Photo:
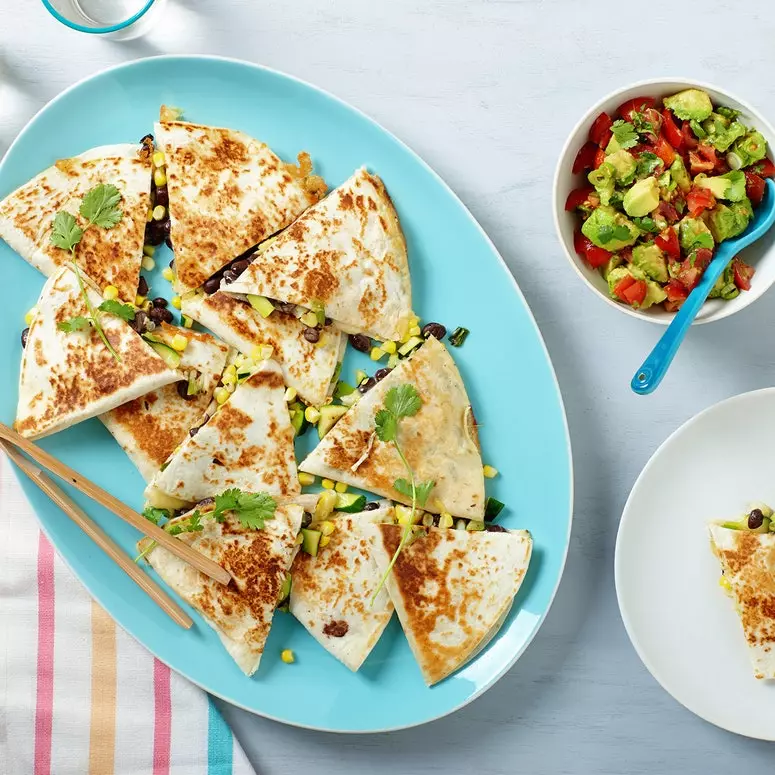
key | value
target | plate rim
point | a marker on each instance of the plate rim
(488, 241)
(628, 624)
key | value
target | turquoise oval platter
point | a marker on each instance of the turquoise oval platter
(458, 279)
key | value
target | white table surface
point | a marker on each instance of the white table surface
(486, 92)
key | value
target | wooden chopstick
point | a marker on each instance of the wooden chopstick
(156, 593)
(178, 548)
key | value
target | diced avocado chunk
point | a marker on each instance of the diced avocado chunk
(642, 198)
(603, 179)
(651, 260)
(610, 229)
(329, 414)
(624, 165)
(298, 421)
(736, 192)
(680, 175)
(655, 294)
(168, 355)
(285, 589)
(717, 290)
(615, 276)
(310, 540)
(748, 150)
(693, 233)
(716, 185)
(261, 304)
(611, 264)
(720, 132)
(350, 502)
(613, 146)
(727, 221)
(690, 104)
(730, 186)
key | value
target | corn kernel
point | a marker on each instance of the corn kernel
(309, 319)
(414, 331)
(221, 395)
(327, 527)
(231, 386)
(187, 321)
(149, 215)
(158, 159)
(460, 524)
(287, 656)
(267, 351)
(392, 361)
(255, 353)
(414, 321)
(723, 582)
(149, 250)
(147, 306)
(311, 415)
(474, 525)
(159, 212)
(110, 292)
(324, 541)
(148, 264)
(325, 505)
(159, 177)
(389, 347)
(290, 395)
(340, 487)
(427, 520)
(168, 274)
(139, 300)
(179, 342)
(489, 472)
(376, 353)
(328, 484)
(305, 480)
(445, 519)
(404, 515)
(175, 301)
(30, 316)
(299, 539)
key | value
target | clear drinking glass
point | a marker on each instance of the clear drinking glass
(117, 19)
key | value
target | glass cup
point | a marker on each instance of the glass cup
(116, 19)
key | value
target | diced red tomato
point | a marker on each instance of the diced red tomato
(743, 274)
(754, 187)
(664, 150)
(654, 117)
(698, 164)
(577, 197)
(673, 306)
(699, 199)
(675, 291)
(668, 241)
(599, 157)
(765, 168)
(668, 212)
(631, 290)
(594, 255)
(672, 131)
(635, 105)
(600, 131)
(585, 158)
(690, 141)
(693, 268)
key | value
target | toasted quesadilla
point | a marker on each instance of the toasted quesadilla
(440, 441)
(258, 561)
(227, 193)
(67, 377)
(346, 255)
(331, 591)
(308, 367)
(452, 589)
(748, 563)
(150, 427)
(107, 256)
(246, 443)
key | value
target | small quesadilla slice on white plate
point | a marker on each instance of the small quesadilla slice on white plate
(258, 561)
(748, 563)
(440, 441)
(452, 589)
(107, 256)
(68, 374)
(331, 592)
(227, 192)
(345, 256)
(246, 443)
(309, 361)
(150, 427)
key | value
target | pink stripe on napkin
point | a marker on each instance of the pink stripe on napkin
(44, 708)
(162, 722)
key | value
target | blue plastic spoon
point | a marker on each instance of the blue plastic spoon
(654, 368)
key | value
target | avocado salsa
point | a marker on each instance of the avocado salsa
(668, 181)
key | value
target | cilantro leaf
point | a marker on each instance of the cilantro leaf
(226, 501)
(67, 233)
(642, 124)
(115, 307)
(78, 323)
(194, 522)
(625, 134)
(403, 401)
(647, 163)
(605, 234)
(155, 515)
(100, 206)
(646, 224)
(421, 490)
(621, 232)
(386, 424)
(252, 509)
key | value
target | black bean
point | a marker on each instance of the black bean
(194, 431)
(203, 504)
(495, 529)
(306, 519)
(327, 322)
(142, 286)
(183, 391)
(168, 243)
(145, 138)
(159, 301)
(285, 307)
(311, 334)
(211, 286)
(229, 276)
(238, 267)
(755, 519)
(166, 227)
(364, 387)
(160, 315)
(25, 334)
(371, 506)
(140, 322)
(380, 374)
(162, 196)
(360, 342)
(172, 264)
(434, 329)
(154, 233)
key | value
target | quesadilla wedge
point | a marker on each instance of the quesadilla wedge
(107, 256)
(227, 193)
(149, 428)
(346, 255)
(439, 441)
(452, 589)
(67, 377)
(258, 561)
(308, 367)
(331, 591)
(748, 563)
(246, 443)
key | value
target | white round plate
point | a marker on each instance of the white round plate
(683, 626)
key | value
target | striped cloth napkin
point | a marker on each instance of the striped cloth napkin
(77, 694)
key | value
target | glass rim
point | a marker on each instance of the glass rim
(97, 30)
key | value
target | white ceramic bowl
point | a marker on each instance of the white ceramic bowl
(761, 254)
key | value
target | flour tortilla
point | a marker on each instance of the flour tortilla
(440, 441)
(347, 253)
(307, 367)
(331, 592)
(107, 256)
(247, 443)
(258, 561)
(227, 193)
(748, 561)
(149, 428)
(452, 589)
(69, 377)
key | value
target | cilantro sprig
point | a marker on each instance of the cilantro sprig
(625, 134)
(400, 402)
(251, 508)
